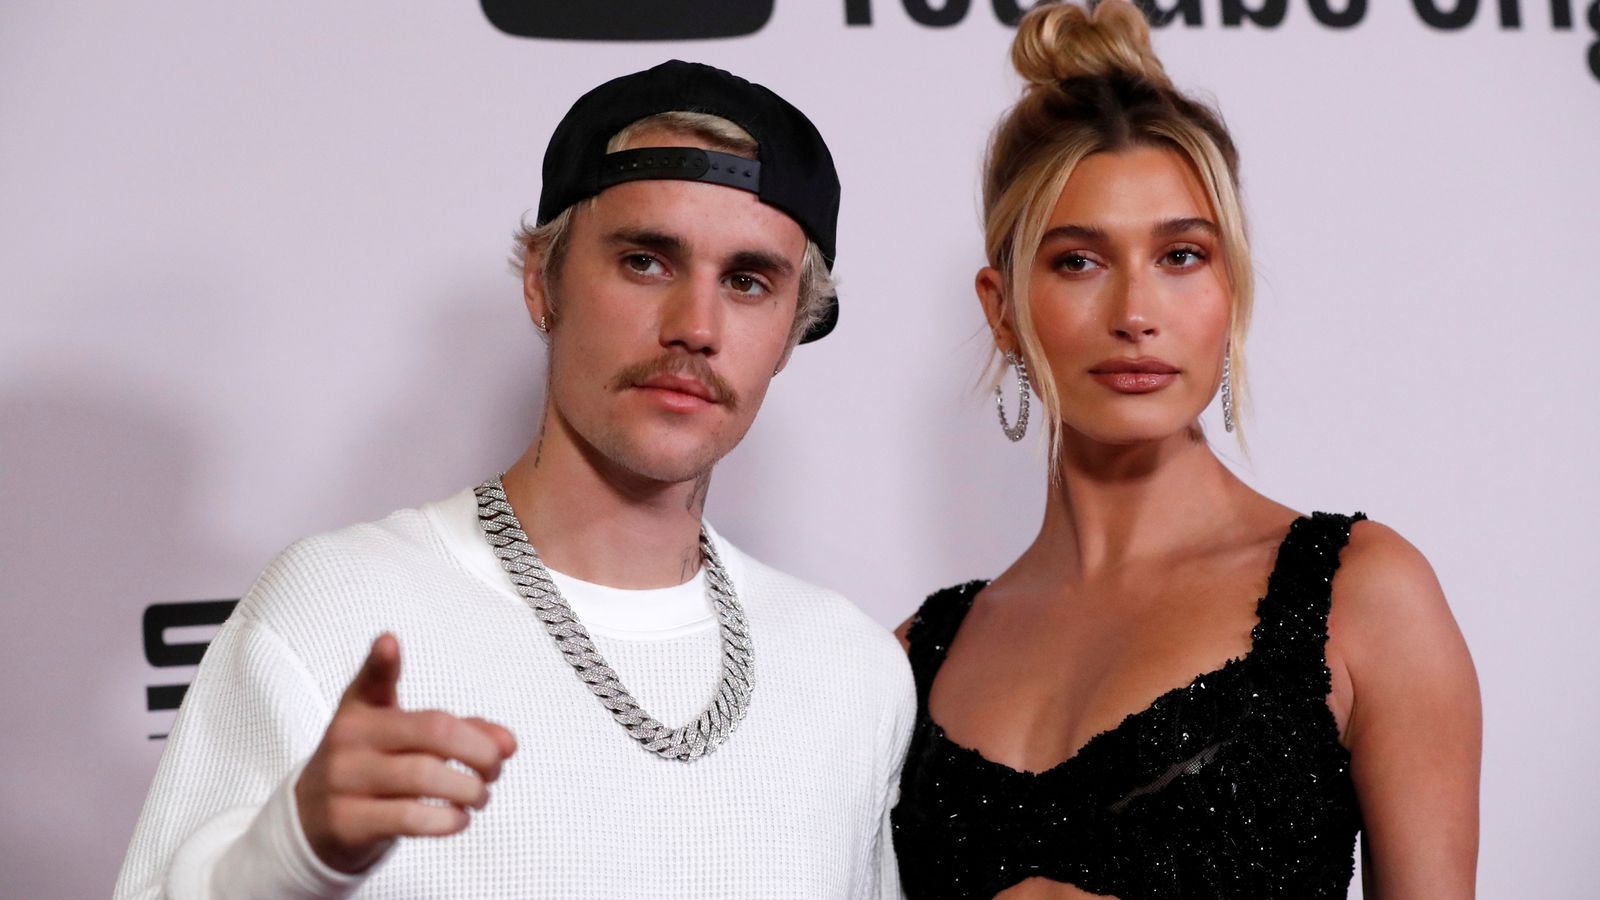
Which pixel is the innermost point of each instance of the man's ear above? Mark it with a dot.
(783, 361)
(533, 284)
(991, 286)
(788, 351)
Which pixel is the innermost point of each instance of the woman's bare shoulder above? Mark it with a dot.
(1390, 625)
(1384, 581)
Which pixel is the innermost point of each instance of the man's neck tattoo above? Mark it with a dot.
(696, 503)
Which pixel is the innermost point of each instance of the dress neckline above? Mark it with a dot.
(1228, 668)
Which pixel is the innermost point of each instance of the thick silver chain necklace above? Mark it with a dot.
(687, 743)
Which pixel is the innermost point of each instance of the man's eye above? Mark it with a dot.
(1184, 258)
(642, 264)
(746, 284)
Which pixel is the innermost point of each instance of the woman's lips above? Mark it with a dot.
(1134, 382)
(1134, 376)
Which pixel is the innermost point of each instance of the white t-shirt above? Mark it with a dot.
(795, 804)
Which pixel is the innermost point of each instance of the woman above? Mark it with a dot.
(1118, 713)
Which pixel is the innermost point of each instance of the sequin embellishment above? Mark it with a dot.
(1234, 785)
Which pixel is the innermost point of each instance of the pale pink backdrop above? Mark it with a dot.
(252, 286)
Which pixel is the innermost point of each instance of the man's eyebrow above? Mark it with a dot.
(1175, 227)
(659, 241)
(762, 261)
(672, 245)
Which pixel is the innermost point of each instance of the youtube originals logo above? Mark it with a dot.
(628, 20)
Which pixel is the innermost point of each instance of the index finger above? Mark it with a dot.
(376, 684)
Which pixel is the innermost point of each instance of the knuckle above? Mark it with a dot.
(314, 777)
(343, 731)
(465, 788)
(419, 773)
(406, 818)
(343, 822)
(337, 772)
(475, 748)
(491, 772)
(417, 818)
(434, 819)
(438, 726)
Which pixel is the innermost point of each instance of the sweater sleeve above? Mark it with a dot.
(220, 820)
(900, 718)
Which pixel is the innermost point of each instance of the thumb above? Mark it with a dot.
(375, 684)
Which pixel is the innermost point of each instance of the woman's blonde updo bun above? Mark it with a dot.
(1095, 85)
(1057, 42)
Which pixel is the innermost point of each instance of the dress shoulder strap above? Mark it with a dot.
(933, 628)
(1290, 640)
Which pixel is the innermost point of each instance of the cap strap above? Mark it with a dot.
(684, 163)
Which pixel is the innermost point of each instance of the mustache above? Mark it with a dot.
(679, 364)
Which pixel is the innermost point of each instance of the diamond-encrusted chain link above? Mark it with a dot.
(706, 731)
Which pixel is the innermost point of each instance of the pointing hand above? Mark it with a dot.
(365, 784)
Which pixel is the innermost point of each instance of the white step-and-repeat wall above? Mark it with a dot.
(253, 286)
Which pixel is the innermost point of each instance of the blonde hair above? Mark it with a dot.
(551, 239)
(1094, 86)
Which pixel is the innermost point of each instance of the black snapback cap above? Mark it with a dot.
(794, 173)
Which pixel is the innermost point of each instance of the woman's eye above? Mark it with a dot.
(1075, 262)
(642, 264)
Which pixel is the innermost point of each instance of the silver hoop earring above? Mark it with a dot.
(544, 326)
(1227, 391)
(1014, 432)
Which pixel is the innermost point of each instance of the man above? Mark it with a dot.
(685, 235)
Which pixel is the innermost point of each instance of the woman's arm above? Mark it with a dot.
(1415, 725)
(904, 634)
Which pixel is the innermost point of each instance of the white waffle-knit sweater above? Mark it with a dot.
(795, 804)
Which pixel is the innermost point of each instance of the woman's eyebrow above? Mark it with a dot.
(1175, 227)
(1076, 232)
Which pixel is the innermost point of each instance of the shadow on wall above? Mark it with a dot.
(987, 502)
(98, 483)
(96, 487)
(465, 404)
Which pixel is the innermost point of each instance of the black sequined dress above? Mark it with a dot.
(1234, 785)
